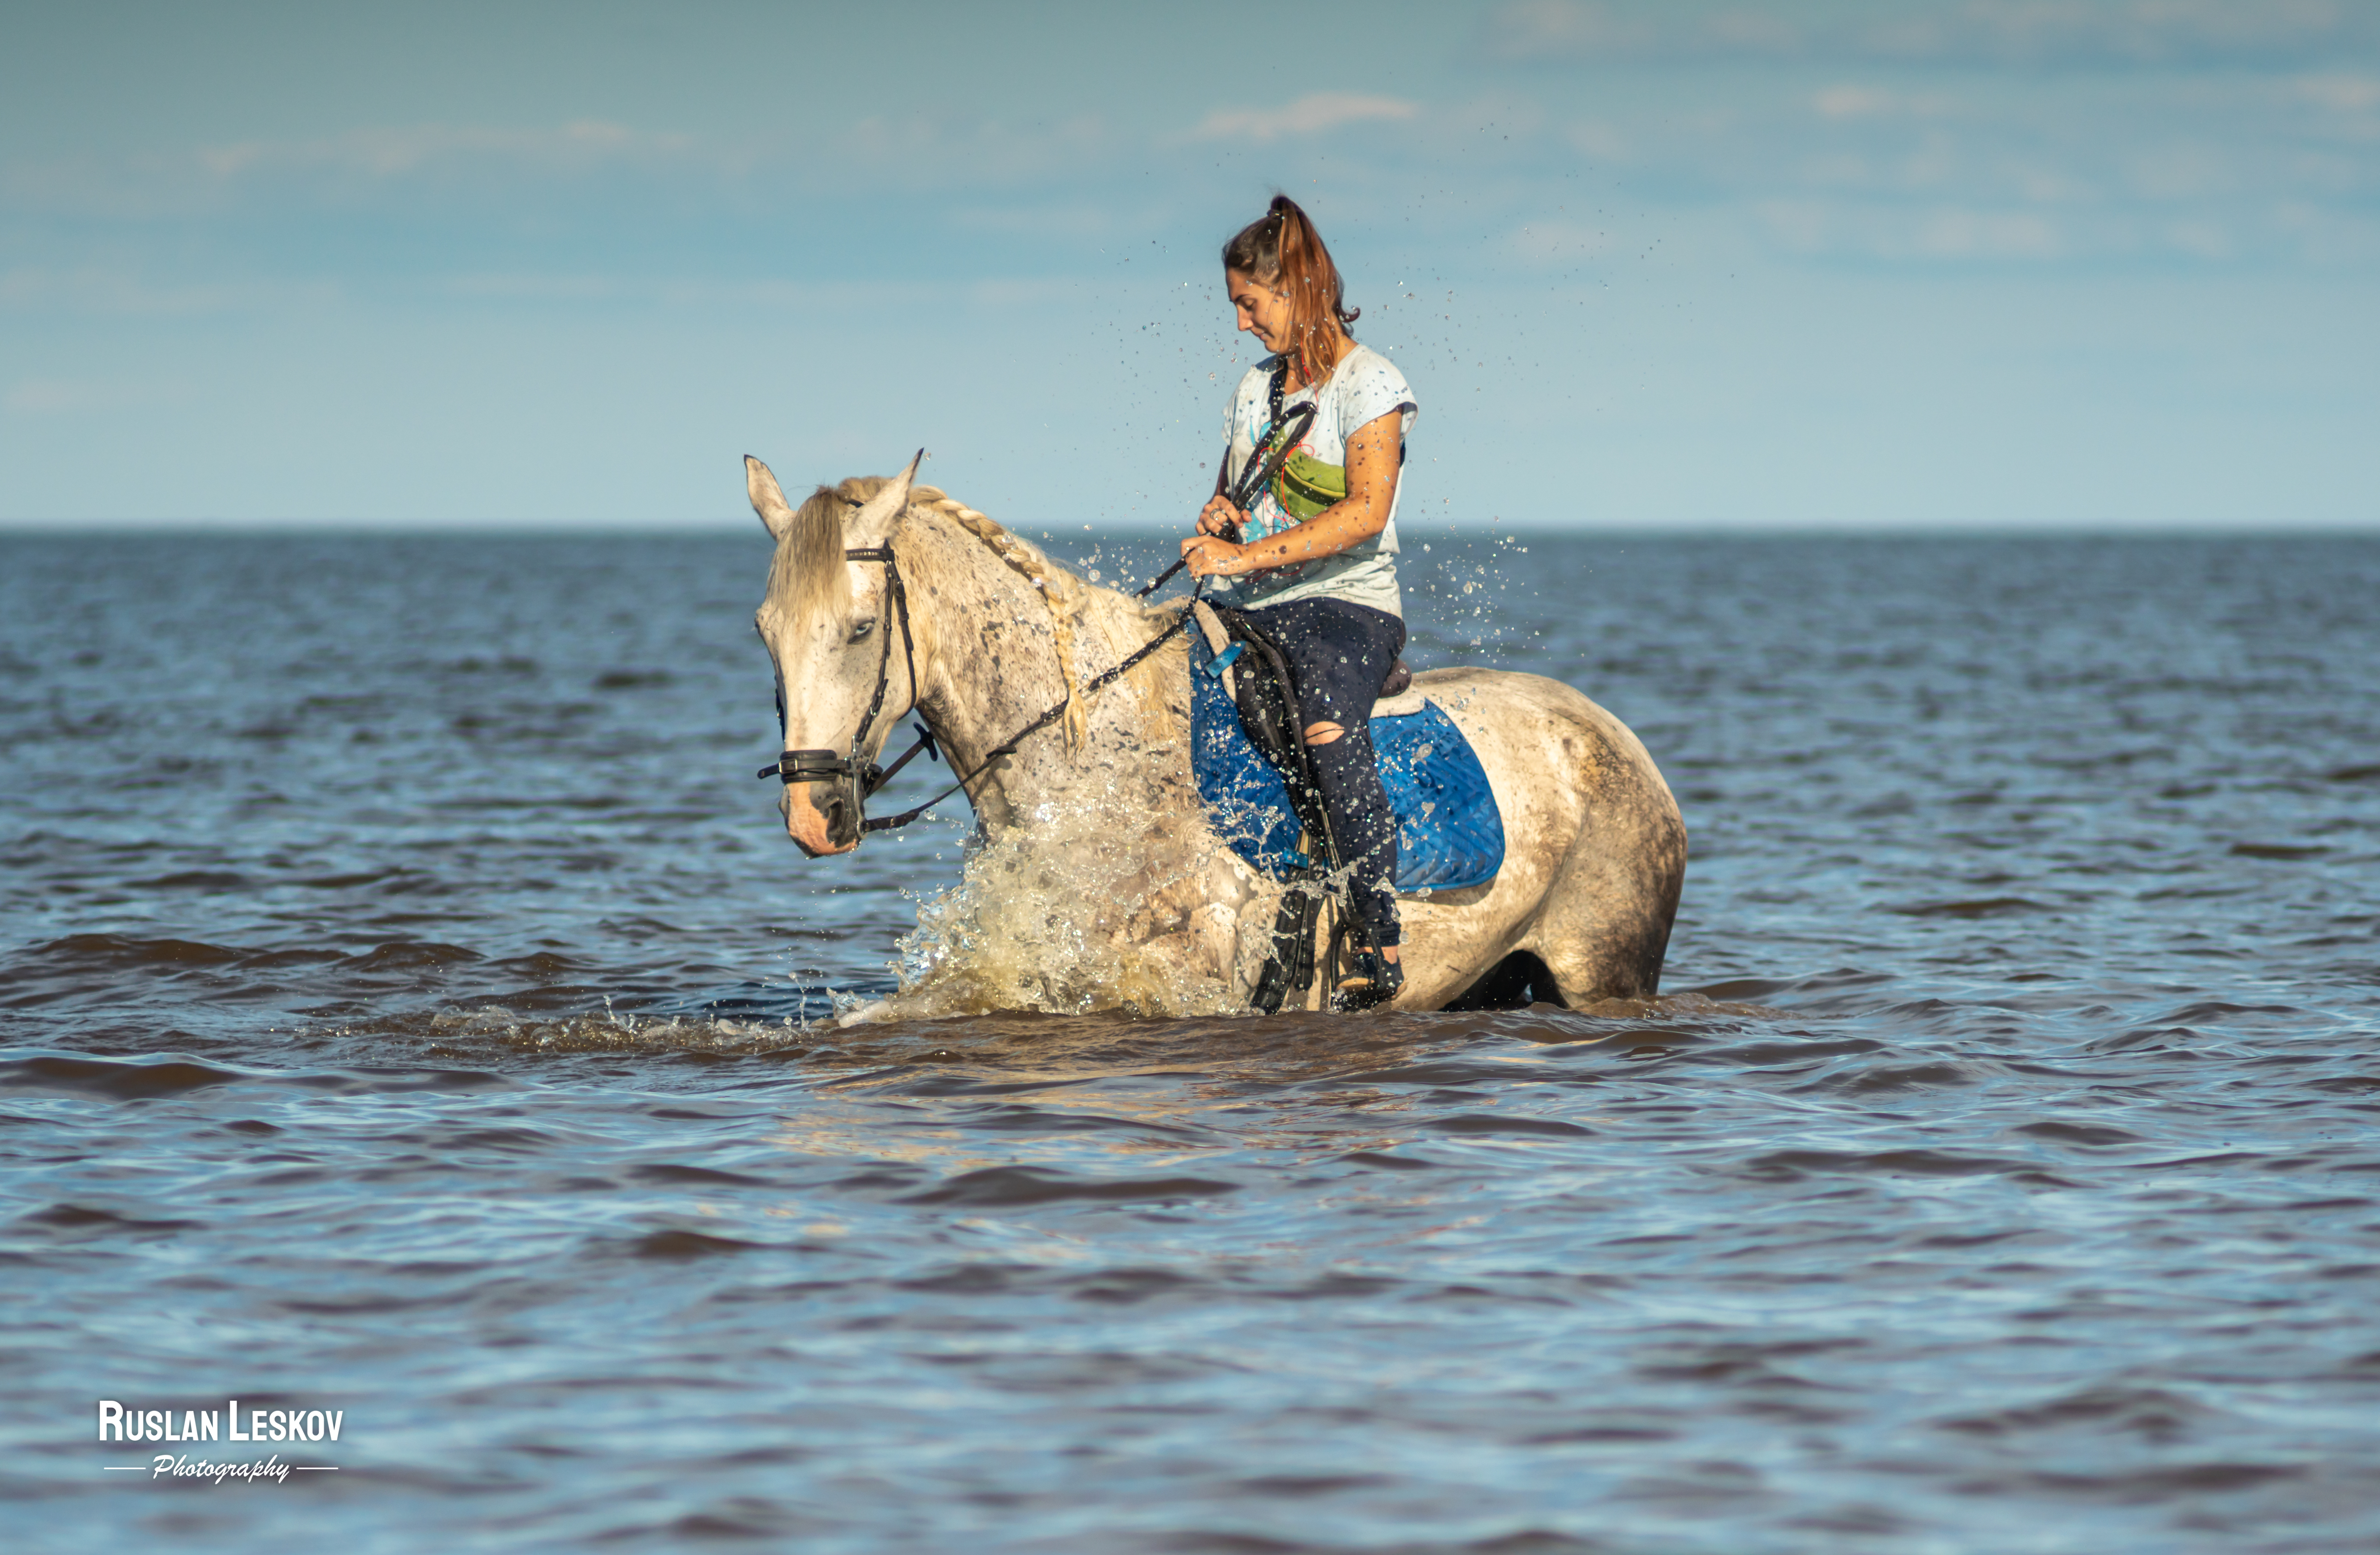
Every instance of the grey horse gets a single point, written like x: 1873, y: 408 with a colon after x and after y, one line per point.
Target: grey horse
x: 1095, y: 879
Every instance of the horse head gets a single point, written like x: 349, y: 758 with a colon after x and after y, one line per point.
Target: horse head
x: 833, y: 634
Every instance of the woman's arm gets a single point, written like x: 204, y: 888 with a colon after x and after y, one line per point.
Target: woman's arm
x: 1354, y: 519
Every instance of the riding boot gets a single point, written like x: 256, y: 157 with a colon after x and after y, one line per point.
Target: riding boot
x: 1372, y: 980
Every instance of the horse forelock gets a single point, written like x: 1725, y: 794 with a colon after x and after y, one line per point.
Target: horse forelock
x: 809, y: 576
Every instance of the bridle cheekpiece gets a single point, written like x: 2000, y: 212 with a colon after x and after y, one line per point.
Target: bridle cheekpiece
x: 829, y: 766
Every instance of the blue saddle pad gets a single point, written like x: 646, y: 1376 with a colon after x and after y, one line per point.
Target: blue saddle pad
x: 1448, y: 831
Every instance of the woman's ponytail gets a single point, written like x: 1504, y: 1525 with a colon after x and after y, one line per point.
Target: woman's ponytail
x: 1283, y: 250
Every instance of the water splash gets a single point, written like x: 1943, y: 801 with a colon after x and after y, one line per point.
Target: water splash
x: 1099, y: 901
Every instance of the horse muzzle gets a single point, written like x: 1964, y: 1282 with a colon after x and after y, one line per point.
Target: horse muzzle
x: 822, y: 817
x: 822, y: 799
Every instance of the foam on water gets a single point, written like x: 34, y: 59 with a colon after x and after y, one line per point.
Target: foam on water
x: 1087, y: 905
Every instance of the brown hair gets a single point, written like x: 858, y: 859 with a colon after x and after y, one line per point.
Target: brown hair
x: 1282, y: 249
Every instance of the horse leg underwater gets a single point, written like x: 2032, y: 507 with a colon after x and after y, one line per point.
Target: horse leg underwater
x: 1595, y: 855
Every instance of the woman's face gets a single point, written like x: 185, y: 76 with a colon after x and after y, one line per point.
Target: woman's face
x: 1263, y: 311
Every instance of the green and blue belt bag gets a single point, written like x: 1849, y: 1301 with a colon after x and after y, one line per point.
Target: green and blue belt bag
x: 1306, y: 486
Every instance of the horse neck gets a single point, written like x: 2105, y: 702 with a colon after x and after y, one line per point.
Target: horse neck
x: 994, y: 650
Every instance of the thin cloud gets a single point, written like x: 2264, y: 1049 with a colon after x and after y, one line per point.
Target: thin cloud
x: 1537, y: 29
x: 1975, y: 33
x: 66, y: 397
x: 2347, y: 94
x: 97, y: 289
x: 1940, y: 234
x: 1545, y: 243
x: 1310, y: 115
x: 920, y: 150
x: 2350, y: 103
x: 2118, y: 32
x: 355, y: 166
x: 1849, y: 101
x: 194, y: 182
x: 396, y: 151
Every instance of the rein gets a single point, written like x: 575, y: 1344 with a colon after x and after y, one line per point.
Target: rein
x: 827, y: 766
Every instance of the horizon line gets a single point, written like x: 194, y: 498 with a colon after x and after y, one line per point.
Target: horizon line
x: 684, y: 529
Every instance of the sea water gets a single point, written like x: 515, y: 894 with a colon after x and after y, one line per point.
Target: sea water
x: 413, y: 1012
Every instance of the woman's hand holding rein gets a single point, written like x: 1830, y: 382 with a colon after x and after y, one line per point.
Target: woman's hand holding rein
x: 1214, y: 551
x: 1219, y: 517
x: 1364, y: 513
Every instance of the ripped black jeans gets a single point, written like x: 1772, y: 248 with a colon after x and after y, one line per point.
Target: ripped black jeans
x: 1339, y: 653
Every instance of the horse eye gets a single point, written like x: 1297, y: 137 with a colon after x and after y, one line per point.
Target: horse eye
x: 862, y: 629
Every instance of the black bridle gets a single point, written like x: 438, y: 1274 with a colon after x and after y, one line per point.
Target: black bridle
x: 827, y: 766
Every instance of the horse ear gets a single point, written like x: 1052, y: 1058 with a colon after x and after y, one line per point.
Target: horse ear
x: 870, y: 524
x: 768, y: 501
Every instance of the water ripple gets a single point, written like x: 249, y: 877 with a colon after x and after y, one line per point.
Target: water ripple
x: 444, y: 1034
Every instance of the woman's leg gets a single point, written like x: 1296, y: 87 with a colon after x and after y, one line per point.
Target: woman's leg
x: 1339, y: 653
x: 1349, y: 770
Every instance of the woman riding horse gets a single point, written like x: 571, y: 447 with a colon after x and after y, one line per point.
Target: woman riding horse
x: 1312, y: 561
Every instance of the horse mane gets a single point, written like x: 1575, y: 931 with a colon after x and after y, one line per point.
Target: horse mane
x: 808, y: 574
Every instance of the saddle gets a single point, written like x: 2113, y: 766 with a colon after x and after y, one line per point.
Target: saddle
x: 1257, y: 676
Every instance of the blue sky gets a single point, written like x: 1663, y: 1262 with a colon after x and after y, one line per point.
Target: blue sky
x: 2104, y: 263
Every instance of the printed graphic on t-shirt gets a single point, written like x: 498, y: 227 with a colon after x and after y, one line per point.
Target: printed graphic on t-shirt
x: 1365, y: 387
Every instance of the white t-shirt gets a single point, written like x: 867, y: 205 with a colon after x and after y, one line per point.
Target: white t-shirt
x: 1365, y: 387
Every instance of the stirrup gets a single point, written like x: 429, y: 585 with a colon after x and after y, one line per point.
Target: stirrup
x: 1372, y: 980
